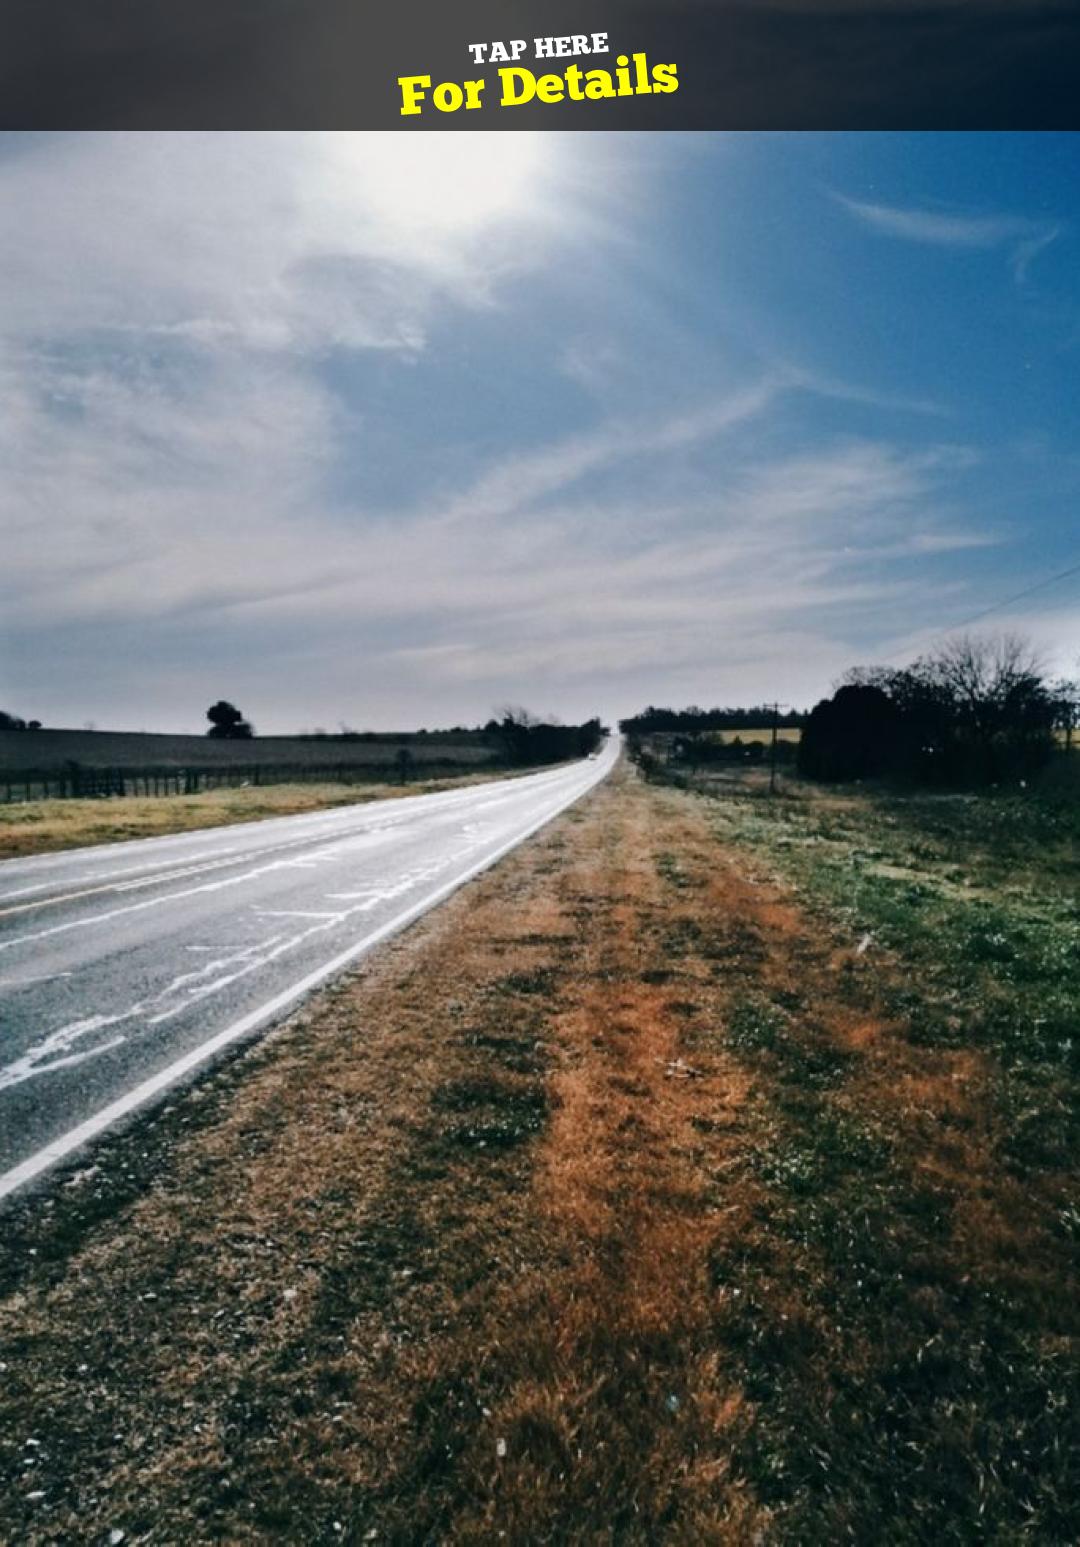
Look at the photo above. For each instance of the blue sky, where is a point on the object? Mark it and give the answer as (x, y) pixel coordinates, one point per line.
(391, 430)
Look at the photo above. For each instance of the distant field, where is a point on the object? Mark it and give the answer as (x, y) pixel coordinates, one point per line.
(793, 733)
(758, 733)
(47, 750)
(39, 765)
(744, 733)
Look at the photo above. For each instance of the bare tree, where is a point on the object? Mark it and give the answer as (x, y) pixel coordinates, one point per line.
(1066, 695)
(999, 704)
(983, 675)
(977, 709)
(515, 714)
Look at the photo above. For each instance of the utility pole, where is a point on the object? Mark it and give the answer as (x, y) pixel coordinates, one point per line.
(772, 749)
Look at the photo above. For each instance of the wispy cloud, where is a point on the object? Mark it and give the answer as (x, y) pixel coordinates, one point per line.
(519, 481)
(1023, 239)
(320, 423)
(277, 242)
(1026, 251)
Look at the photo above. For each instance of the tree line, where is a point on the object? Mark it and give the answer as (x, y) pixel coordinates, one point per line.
(687, 721)
(524, 739)
(528, 742)
(973, 712)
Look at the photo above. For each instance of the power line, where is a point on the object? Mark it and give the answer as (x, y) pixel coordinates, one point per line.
(1005, 601)
(1018, 596)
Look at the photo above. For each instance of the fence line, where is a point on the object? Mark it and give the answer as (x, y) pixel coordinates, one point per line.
(78, 783)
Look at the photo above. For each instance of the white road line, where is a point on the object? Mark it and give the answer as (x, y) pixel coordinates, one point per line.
(91, 920)
(161, 877)
(293, 913)
(55, 1151)
(43, 977)
(247, 835)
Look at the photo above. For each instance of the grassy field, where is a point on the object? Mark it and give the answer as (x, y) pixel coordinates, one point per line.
(706, 1172)
(789, 733)
(44, 826)
(933, 1171)
(783, 733)
(54, 749)
(793, 733)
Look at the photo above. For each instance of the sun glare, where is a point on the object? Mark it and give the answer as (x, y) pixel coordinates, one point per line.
(446, 184)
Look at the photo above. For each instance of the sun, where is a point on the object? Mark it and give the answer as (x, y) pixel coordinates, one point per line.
(447, 185)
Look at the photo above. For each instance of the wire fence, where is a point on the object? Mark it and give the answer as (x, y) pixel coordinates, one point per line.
(80, 783)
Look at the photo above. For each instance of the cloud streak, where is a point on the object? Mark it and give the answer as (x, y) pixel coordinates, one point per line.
(1024, 239)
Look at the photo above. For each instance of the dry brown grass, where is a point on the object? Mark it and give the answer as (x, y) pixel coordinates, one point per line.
(607, 1205)
(45, 826)
(791, 733)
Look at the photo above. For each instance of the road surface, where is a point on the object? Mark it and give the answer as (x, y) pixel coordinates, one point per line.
(125, 968)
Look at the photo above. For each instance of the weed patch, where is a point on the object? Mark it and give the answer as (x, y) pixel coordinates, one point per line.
(756, 1025)
(498, 1113)
(539, 980)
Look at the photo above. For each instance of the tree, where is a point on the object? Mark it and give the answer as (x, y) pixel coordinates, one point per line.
(851, 735)
(1066, 695)
(1002, 710)
(973, 711)
(227, 723)
(588, 736)
(11, 722)
(515, 714)
(982, 676)
(515, 727)
(527, 740)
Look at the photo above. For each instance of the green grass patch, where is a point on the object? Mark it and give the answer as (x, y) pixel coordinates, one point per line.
(909, 1379)
(976, 897)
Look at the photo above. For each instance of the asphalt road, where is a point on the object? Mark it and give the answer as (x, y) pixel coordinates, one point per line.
(127, 967)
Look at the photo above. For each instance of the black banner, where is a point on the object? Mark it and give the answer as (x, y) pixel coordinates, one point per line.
(723, 64)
